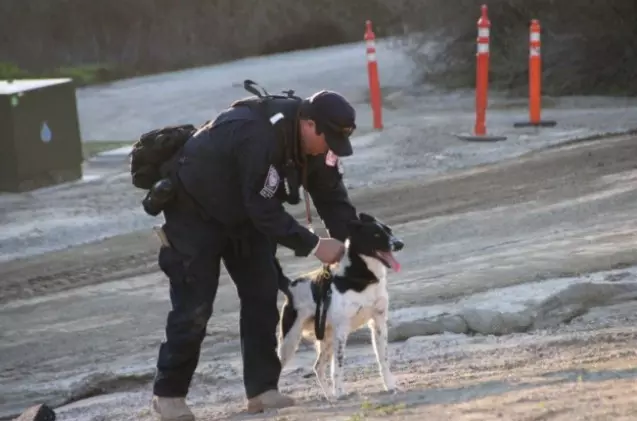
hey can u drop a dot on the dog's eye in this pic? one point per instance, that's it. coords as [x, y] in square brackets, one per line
[376, 235]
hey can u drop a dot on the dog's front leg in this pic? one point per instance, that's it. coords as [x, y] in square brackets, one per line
[378, 327]
[338, 359]
[323, 356]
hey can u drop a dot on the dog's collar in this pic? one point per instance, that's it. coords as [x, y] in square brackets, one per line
[327, 273]
[356, 280]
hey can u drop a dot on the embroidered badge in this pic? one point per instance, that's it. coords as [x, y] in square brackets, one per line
[271, 183]
[331, 159]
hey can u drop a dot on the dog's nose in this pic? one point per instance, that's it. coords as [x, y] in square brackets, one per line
[397, 245]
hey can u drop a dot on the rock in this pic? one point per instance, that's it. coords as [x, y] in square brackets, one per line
[520, 321]
[559, 315]
[452, 323]
[492, 322]
[405, 330]
[577, 299]
[486, 322]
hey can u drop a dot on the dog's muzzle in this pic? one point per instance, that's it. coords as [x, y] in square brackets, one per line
[396, 244]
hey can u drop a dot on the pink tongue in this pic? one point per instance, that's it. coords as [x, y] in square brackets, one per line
[389, 257]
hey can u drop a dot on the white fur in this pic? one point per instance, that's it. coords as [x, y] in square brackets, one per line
[347, 312]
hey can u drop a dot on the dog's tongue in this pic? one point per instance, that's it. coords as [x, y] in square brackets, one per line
[389, 258]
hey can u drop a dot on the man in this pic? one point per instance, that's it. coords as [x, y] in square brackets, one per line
[234, 174]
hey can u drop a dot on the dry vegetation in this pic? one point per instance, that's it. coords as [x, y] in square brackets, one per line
[143, 36]
[589, 46]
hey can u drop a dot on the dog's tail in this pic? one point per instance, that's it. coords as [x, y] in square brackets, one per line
[289, 314]
[290, 329]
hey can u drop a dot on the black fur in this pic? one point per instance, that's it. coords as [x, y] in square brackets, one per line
[288, 312]
[288, 316]
[356, 277]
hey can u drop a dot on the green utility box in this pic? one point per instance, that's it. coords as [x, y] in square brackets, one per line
[40, 142]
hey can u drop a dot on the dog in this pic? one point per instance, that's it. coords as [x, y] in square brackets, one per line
[351, 293]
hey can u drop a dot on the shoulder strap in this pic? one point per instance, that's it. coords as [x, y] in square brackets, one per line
[262, 104]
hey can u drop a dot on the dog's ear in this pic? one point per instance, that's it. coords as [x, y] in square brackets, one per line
[365, 217]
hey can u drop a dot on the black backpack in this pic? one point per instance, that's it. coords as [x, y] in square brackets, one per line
[157, 147]
[153, 149]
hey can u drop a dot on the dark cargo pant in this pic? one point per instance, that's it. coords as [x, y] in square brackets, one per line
[192, 265]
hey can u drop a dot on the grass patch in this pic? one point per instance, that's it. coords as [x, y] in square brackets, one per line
[83, 75]
[378, 410]
[90, 149]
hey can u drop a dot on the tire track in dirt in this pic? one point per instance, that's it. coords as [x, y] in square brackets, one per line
[553, 174]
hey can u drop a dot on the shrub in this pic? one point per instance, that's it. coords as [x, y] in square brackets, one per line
[143, 36]
[588, 46]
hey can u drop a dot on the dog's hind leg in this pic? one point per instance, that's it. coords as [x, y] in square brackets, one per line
[323, 356]
[378, 327]
[291, 331]
[338, 360]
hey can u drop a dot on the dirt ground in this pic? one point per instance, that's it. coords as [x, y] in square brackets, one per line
[81, 326]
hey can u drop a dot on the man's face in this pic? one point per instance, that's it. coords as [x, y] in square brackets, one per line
[313, 143]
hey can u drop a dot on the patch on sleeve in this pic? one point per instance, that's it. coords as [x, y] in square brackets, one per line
[271, 183]
[331, 160]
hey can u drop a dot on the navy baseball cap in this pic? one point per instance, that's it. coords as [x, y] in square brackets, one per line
[335, 117]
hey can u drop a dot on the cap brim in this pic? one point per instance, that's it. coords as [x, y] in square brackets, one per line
[339, 144]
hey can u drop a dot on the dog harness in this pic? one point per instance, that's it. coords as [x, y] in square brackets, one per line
[322, 295]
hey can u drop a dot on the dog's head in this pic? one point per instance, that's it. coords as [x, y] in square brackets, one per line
[370, 237]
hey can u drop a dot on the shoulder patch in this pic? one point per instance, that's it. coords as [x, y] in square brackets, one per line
[271, 183]
[331, 160]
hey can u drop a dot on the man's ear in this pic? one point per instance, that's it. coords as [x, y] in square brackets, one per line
[365, 217]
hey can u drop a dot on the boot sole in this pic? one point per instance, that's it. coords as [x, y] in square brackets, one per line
[258, 407]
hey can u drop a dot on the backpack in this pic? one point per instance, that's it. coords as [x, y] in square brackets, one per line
[153, 149]
[157, 147]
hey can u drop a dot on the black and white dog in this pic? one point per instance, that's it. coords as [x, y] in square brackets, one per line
[352, 294]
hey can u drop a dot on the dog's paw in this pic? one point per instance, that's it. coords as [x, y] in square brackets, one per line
[342, 395]
[392, 391]
[338, 395]
[390, 385]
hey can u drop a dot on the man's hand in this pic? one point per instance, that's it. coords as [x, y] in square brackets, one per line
[330, 250]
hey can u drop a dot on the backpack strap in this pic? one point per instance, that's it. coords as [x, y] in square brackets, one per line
[263, 102]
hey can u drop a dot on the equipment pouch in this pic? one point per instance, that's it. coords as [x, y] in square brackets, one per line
[158, 196]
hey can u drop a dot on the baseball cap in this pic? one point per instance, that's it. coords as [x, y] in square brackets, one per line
[335, 117]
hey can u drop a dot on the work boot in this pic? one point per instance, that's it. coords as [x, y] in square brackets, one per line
[272, 399]
[37, 413]
[171, 409]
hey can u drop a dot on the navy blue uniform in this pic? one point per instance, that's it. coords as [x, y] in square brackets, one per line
[229, 208]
